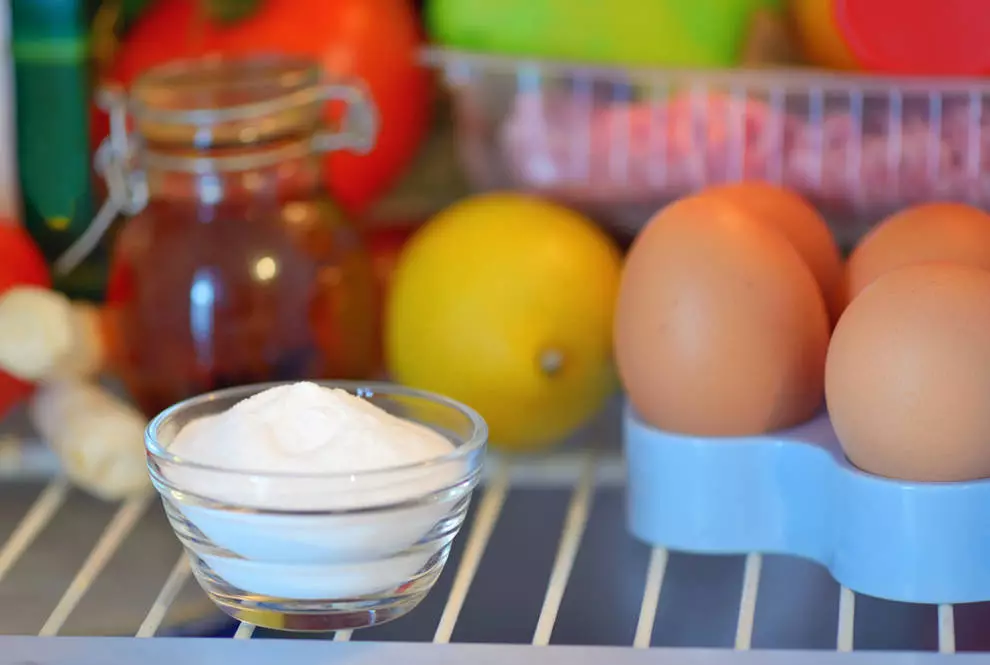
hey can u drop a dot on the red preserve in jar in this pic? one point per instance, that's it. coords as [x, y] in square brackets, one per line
[234, 267]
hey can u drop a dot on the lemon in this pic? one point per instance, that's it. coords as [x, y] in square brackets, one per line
[505, 302]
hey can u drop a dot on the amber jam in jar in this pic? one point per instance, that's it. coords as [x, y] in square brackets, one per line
[236, 268]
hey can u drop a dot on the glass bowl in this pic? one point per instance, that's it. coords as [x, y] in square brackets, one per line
[320, 551]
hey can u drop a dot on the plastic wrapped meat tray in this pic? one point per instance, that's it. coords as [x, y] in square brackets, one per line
[620, 143]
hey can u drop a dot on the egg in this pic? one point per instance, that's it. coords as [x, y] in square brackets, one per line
[950, 232]
[720, 327]
[800, 223]
[907, 377]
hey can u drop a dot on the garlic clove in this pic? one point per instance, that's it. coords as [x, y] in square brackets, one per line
[36, 332]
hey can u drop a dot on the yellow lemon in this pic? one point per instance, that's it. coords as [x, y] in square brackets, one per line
[505, 302]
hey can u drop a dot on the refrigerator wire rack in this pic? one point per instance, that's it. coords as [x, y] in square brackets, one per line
[544, 560]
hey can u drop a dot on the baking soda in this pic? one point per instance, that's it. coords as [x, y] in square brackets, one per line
[306, 428]
[320, 433]
[336, 529]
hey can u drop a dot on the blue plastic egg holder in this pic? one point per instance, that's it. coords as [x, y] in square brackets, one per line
[795, 493]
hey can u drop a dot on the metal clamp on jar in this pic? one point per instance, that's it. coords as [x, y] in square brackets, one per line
[234, 267]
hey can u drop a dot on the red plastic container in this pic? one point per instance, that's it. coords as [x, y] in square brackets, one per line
[918, 37]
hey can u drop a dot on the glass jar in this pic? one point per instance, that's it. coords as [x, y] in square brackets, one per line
[234, 268]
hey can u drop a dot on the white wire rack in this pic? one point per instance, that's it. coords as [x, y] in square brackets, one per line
[560, 516]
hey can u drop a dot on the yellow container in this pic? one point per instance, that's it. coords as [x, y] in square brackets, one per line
[818, 34]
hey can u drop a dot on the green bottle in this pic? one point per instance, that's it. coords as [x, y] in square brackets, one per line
[53, 84]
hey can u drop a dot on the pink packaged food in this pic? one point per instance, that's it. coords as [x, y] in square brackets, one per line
[635, 151]
[859, 158]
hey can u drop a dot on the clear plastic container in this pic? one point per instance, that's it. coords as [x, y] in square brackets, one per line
[618, 143]
[320, 551]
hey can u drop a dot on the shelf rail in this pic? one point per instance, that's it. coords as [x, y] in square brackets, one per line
[591, 471]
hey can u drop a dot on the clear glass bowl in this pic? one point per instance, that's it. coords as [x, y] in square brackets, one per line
[319, 551]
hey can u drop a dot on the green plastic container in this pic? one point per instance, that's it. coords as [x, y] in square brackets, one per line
[673, 33]
[53, 83]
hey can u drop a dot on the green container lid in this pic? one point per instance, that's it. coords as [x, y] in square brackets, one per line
[49, 19]
[700, 33]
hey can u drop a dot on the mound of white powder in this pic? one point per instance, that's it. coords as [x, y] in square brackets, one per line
[306, 428]
[336, 529]
[334, 440]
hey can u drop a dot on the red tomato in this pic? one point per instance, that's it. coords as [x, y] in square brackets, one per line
[20, 264]
[20, 260]
[376, 41]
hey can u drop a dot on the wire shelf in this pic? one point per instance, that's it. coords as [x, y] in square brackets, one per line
[544, 560]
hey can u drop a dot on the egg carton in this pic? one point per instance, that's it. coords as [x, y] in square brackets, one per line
[794, 492]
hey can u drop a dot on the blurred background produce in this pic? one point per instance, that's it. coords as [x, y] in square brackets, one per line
[626, 32]
[619, 142]
[946, 38]
[376, 42]
[20, 264]
[817, 34]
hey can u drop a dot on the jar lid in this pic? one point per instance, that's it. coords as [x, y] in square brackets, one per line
[218, 102]
[917, 37]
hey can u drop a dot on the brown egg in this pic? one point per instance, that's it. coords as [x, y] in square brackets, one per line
[950, 232]
[800, 223]
[720, 326]
[907, 378]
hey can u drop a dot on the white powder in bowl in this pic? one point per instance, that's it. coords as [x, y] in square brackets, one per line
[336, 442]
[306, 428]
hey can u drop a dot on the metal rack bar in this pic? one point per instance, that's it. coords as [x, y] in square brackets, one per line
[562, 469]
[244, 632]
[111, 539]
[946, 629]
[570, 542]
[481, 531]
[651, 597]
[747, 602]
[33, 523]
[173, 585]
[121, 651]
[583, 479]
[847, 619]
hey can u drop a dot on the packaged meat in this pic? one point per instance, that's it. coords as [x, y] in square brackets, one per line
[618, 143]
